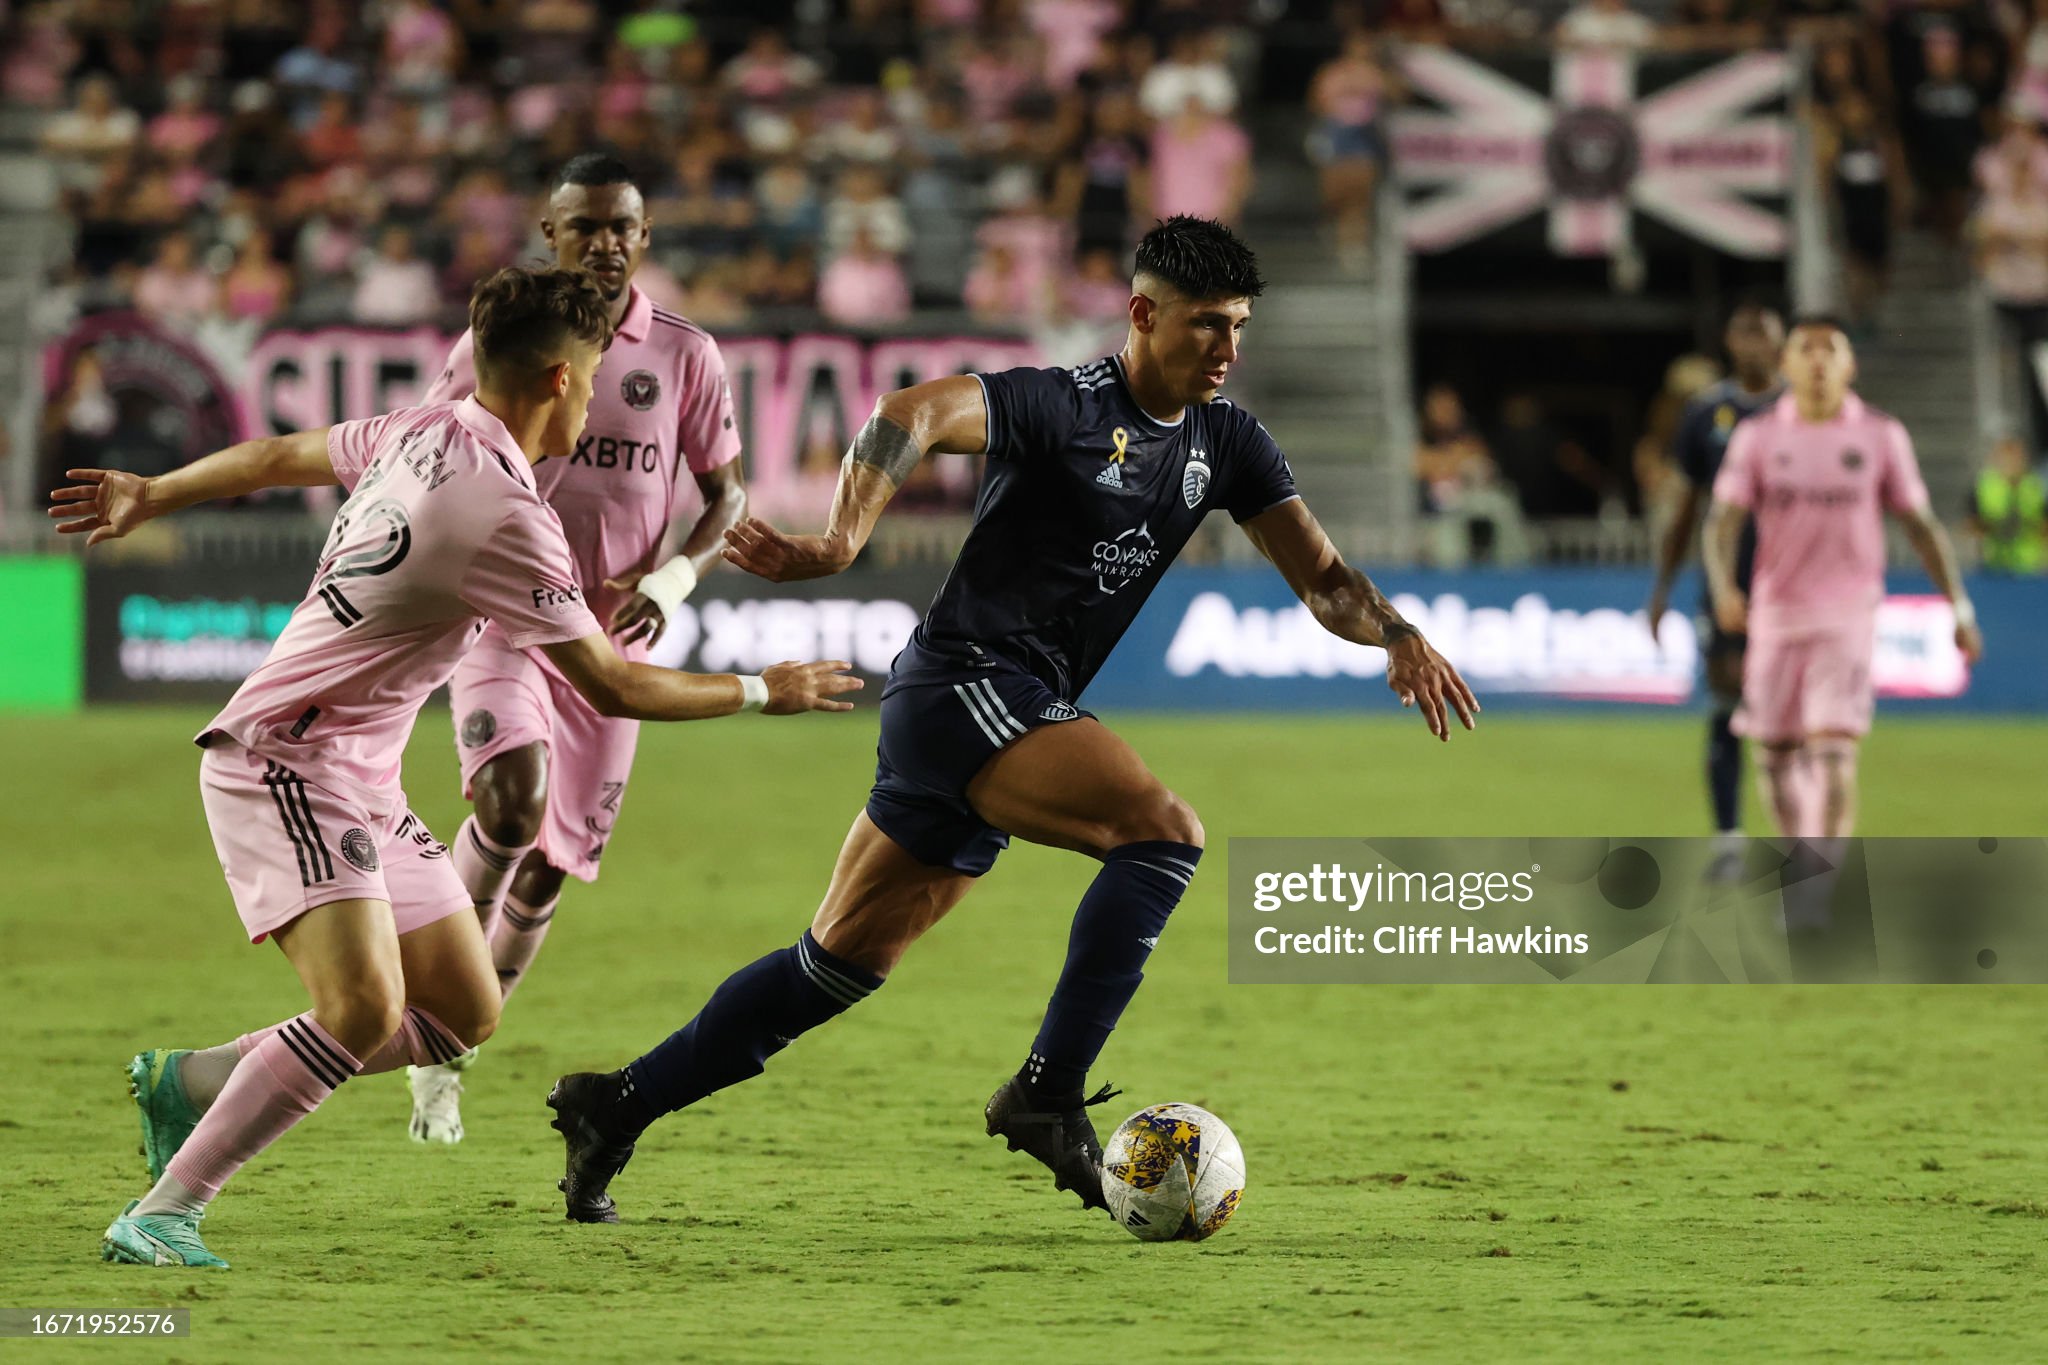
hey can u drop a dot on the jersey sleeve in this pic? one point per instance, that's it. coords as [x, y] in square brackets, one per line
[1736, 484]
[1689, 443]
[1260, 479]
[352, 445]
[458, 375]
[705, 425]
[1902, 489]
[524, 578]
[1032, 413]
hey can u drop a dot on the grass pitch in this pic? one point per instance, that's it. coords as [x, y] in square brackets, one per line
[1454, 1173]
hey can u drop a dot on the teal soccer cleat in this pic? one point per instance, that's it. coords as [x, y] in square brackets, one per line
[157, 1239]
[167, 1113]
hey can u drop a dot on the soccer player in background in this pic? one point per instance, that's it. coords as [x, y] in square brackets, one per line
[1818, 471]
[1754, 338]
[547, 771]
[1095, 479]
[443, 530]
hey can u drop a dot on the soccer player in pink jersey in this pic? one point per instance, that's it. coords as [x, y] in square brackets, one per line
[1818, 470]
[547, 772]
[443, 530]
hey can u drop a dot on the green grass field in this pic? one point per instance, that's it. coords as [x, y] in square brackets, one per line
[1621, 1173]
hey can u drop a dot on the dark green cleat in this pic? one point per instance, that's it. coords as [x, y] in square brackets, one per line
[168, 1116]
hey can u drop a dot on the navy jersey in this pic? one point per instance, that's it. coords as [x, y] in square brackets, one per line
[1702, 439]
[1085, 500]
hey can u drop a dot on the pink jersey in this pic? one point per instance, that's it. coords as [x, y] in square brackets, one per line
[443, 528]
[1819, 492]
[662, 404]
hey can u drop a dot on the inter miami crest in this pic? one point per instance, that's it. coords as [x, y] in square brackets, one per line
[1194, 479]
[640, 389]
[360, 849]
[478, 727]
[1852, 459]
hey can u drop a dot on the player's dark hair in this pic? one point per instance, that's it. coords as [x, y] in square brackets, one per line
[524, 318]
[594, 168]
[1201, 258]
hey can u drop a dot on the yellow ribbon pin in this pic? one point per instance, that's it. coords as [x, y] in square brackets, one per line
[1123, 442]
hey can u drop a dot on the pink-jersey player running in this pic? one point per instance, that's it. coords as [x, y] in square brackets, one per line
[1818, 470]
[547, 772]
[444, 530]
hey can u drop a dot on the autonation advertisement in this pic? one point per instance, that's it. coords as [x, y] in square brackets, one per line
[1237, 639]
[1210, 639]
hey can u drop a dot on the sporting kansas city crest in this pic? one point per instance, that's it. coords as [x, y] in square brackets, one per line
[1194, 479]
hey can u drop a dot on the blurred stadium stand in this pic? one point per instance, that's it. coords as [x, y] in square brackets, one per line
[236, 170]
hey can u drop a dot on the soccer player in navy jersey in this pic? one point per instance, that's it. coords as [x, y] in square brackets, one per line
[1096, 477]
[1755, 338]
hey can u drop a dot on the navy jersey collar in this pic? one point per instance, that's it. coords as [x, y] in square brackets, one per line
[1124, 381]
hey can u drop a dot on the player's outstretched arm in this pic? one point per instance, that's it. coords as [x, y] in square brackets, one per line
[947, 415]
[1345, 603]
[107, 504]
[1931, 543]
[637, 691]
[1720, 543]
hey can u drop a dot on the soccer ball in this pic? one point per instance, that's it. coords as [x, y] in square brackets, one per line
[1172, 1173]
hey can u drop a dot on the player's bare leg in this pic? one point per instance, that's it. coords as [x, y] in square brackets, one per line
[510, 794]
[514, 890]
[1834, 755]
[1784, 774]
[1077, 786]
[446, 968]
[346, 955]
[880, 901]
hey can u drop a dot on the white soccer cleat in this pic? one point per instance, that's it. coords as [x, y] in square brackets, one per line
[436, 1103]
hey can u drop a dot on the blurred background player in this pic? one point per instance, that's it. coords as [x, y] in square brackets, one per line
[443, 530]
[1095, 479]
[546, 770]
[1755, 338]
[1817, 471]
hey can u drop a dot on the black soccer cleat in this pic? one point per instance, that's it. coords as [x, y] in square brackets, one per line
[1061, 1140]
[593, 1157]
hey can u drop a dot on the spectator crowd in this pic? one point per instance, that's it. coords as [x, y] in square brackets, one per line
[234, 162]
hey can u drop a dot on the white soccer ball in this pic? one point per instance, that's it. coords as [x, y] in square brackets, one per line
[1173, 1172]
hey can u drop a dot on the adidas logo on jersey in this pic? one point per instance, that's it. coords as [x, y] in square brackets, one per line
[1112, 475]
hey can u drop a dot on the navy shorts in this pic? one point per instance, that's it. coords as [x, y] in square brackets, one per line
[936, 735]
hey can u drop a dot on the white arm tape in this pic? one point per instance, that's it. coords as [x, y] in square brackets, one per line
[1966, 612]
[668, 585]
[753, 692]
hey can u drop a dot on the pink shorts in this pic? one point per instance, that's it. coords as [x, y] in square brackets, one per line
[287, 845]
[1800, 683]
[504, 699]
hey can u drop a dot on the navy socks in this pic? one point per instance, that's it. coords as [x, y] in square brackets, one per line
[759, 1010]
[1115, 930]
[1724, 770]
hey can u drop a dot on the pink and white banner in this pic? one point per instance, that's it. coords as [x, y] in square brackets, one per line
[795, 395]
[1610, 137]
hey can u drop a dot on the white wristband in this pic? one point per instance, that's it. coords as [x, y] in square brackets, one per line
[668, 585]
[753, 691]
[1966, 613]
